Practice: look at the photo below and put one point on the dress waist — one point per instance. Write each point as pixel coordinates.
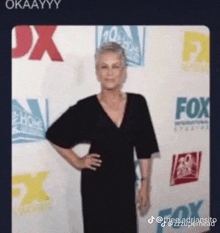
(108, 176)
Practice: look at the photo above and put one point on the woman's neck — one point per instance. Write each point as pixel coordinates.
(111, 95)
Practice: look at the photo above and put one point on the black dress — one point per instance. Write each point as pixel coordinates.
(108, 194)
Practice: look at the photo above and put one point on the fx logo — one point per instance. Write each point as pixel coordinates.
(181, 212)
(34, 187)
(45, 43)
(192, 108)
(33, 198)
(195, 51)
(131, 38)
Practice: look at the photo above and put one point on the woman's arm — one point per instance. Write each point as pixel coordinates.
(87, 161)
(144, 192)
(145, 167)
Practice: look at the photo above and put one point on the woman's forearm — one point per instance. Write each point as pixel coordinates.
(69, 155)
(145, 167)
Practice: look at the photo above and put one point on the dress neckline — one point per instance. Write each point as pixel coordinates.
(109, 118)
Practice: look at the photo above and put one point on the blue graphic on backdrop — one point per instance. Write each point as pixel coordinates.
(131, 38)
(192, 113)
(191, 210)
(192, 108)
(29, 120)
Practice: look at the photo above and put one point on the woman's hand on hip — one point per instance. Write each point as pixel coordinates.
(90, 161)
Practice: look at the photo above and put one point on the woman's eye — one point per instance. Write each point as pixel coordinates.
(103, 67)
(116, 67)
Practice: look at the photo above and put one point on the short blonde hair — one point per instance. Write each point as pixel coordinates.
(110, 47)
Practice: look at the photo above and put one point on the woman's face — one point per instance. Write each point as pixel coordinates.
(110, 71)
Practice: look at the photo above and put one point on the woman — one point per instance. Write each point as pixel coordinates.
(113, 123)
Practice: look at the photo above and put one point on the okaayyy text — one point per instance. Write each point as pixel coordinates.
(32, 4)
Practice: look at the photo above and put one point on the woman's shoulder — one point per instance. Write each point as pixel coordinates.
(87, 100)
(83, 106)
(137, 97)
(85, 103)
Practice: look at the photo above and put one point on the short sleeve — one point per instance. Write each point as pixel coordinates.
(146, 142)
(69, 129)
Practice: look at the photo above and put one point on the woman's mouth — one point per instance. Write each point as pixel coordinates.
(109, 80)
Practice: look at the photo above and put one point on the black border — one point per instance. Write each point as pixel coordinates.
(79, 12)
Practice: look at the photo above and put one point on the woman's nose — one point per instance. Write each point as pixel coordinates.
(110, 71)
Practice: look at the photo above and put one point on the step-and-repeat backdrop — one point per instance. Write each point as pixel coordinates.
(53, 67)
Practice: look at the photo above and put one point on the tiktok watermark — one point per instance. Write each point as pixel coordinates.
(32, 4)
(182, 222)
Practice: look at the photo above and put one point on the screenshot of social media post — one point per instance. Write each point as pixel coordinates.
(110, 129)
